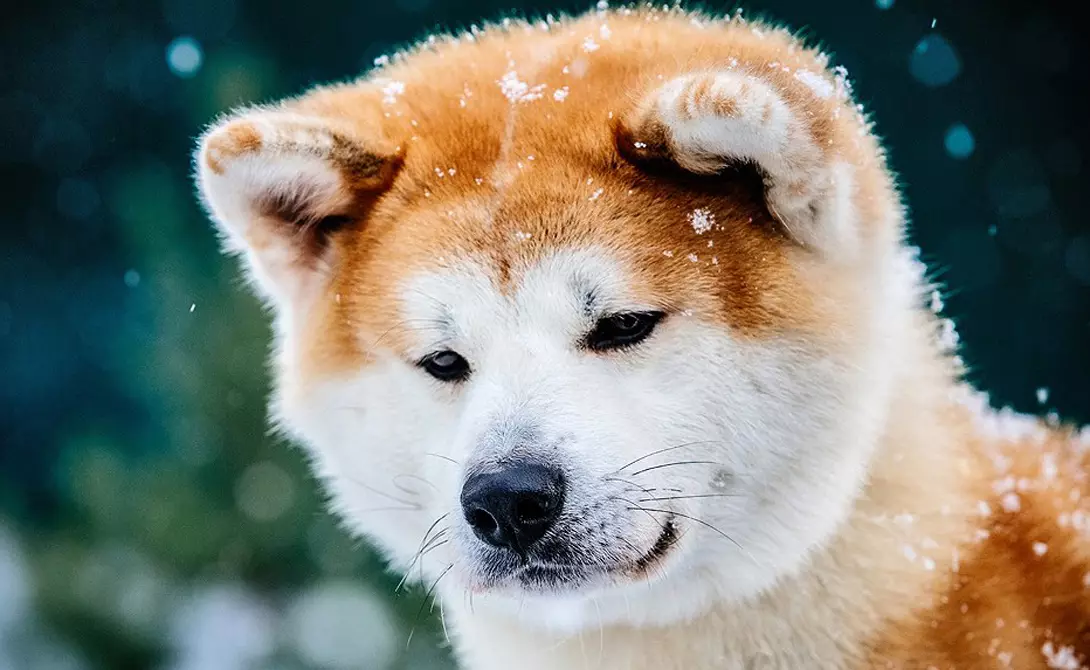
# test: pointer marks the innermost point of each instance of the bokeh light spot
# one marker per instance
(959, 141)
(184, 56)
(264, 491)
(934, 62)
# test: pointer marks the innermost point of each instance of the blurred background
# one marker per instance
(147, 520)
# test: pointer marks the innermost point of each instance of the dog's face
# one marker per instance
(573, 326)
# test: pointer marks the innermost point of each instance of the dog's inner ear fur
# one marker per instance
(282, 185)
(733, 122)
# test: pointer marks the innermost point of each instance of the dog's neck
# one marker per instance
(879, 567)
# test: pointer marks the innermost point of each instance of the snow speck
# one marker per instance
(701, 220)
(1086, 580)
(909, 552)
(132, 278)
(589, 45)
(948, 337)
(391, 90)
(984, 508)
(597, 194)
(816, 83)
(521, 236)
(668, 253)
(192, 307)
(692, 258)
(1011, 502)
(1042, 395)
(604, 32)
(934, 22)
(382, 61)
(561, 94)
(928, 564)
(1040, 548)
(602, 5)
(843, 83)
(936, 302)
(883, 4)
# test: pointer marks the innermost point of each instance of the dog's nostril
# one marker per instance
(531, 509)
(482, 521)
(515, 507)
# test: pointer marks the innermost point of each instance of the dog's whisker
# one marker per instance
(441, 456)
(427, 599)
(664, 450)
(671, 465)
(423, 543)
(691, 497)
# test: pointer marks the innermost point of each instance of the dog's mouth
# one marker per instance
(666, 541)
(544, 575)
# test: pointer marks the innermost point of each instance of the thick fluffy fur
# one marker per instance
(840, 499)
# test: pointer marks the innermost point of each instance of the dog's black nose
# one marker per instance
(514, 507)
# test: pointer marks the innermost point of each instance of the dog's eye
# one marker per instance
(622, 330)
(447, 366)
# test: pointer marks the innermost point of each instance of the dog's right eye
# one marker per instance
(447, 366)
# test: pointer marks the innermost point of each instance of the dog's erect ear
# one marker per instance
(281, 184)
(782, 124)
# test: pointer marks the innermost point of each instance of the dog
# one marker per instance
(605, 329)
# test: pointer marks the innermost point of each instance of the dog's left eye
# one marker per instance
(622, 330)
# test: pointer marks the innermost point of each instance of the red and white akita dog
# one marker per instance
(606, 329)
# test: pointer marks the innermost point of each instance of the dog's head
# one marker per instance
(582, 314)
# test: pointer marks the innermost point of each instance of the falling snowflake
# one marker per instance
(589, 45)
(597, 194)
(1040, 548)
(1042, 395)
(560, 94)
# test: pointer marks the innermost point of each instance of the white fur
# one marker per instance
(774, 414)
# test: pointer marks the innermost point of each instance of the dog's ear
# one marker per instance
(281, 184)
(781, 124)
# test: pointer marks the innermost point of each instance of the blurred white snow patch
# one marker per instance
(222, 627)
(340, 625)
(820, 86)
(1063, 658)
(15, 584)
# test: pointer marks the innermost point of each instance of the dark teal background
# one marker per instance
(147, 520)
